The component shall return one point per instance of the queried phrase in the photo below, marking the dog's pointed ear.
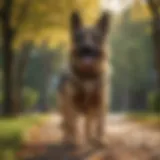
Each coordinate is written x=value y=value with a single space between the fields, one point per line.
x=103 y=23
x=76 y=22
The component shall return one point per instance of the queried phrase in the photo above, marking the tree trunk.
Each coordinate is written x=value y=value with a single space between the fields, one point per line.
x=47 y=61
x=12 y=95
x=8 y=59
x=154 y=7
x=19 y=73
x=7 y=38
x=156 y=40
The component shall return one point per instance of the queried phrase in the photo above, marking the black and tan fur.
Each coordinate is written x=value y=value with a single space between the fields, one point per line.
x=82 y=89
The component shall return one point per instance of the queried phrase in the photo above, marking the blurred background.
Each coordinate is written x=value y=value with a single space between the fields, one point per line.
x=34 y=43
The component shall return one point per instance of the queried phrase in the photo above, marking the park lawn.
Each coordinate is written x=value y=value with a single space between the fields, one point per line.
x=12 y=130
x=149 y=119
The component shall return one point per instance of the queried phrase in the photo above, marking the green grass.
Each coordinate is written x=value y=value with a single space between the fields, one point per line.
x=11 y=133
x=146 y=118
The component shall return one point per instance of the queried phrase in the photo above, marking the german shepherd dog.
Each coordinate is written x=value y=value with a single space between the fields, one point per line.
x=82 y=90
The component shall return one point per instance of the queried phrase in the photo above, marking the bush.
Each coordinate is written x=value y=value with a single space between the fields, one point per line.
x=12 y=133
x=154 y=101
x=30 y=97
x=52 y=98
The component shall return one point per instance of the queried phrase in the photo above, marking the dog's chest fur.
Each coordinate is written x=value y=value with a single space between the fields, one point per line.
x=86 y=95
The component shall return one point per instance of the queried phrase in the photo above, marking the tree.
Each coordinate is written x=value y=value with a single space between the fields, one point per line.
x=8 y=34
x=132 y=62
x=20 y=65
x=32 y=19
x=154 y=6
x=43 y=67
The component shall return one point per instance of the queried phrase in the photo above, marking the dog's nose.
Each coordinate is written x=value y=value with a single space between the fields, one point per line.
x=86 y=49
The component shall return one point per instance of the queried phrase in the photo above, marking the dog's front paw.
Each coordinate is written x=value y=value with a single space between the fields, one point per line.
x=88 y=143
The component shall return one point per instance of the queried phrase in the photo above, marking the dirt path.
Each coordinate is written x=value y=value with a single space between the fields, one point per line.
x=127 y=141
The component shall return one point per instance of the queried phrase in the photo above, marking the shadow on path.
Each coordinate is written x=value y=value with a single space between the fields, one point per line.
x=62 y=152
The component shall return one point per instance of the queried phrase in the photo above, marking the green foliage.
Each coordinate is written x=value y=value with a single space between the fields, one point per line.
x=7 y=154
x=32 y=19
x=43 y=66
x=154 y=101
x=12 y=128
x=52 y=99
x=30 y=97
x=11 y=135
x=132 y=58
x=146 y=118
